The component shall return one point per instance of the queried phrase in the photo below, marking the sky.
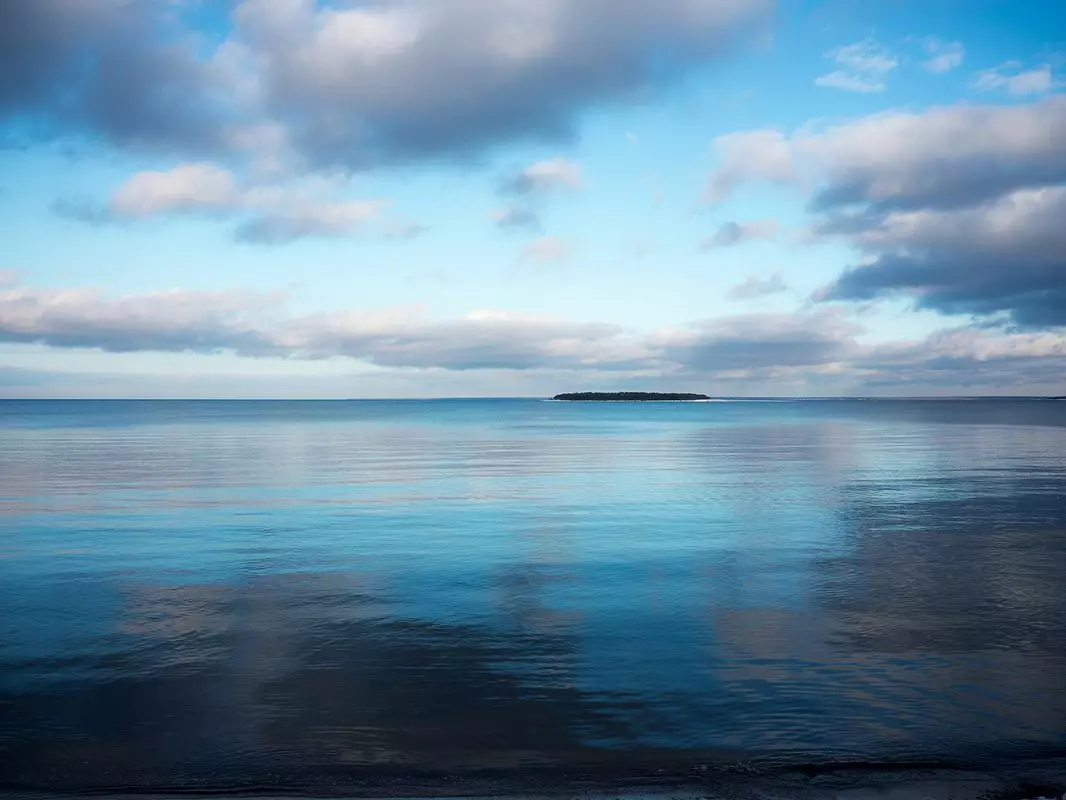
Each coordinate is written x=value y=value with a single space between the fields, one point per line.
x=464 y=198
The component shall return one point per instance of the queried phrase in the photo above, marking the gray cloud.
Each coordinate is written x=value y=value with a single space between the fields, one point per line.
x=252 y=324
x=1006 y=257
x=173 y=321
x=557 y=174
x=127 y=71
x=792 y=352
x=946 y=157
x=282 y=225
x=958 y=208
x=516 y=216
x=270 y=214
x=758 y=345
x=730 y=234
x=756 y=287
x=473 y=72
x=967 y=359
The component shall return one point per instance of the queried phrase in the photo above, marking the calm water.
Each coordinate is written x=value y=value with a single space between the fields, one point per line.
x=297 y=593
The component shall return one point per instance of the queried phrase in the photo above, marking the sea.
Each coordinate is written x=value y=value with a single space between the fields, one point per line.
x=415 y=598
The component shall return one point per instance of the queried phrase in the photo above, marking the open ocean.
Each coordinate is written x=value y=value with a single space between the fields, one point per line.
x=404 y=597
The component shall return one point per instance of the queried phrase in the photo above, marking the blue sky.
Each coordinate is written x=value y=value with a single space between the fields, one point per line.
x=289 y=198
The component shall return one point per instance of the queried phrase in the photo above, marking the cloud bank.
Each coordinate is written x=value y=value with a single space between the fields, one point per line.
x=797 y=348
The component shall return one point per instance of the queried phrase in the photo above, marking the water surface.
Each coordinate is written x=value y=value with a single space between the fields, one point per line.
x=299 y=594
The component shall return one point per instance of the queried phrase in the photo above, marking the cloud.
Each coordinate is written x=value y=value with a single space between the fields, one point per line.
x=171 y=321
x=126 y=71
x=863 y=66
x=944 y=157
x=765 y=155
x=516 y=216
x=281 y=225
x=955 y=208
x=755 y=287
x=943 y=56
x=730 y=234
x=253 y=324
x=1006 y=257
x=967 y=359
x=317 y=82
x=1014 y=80
x=547 y=250
x=761 y=345
x=270 y=214
x=797 y=350
x=557 y=174
x=850 y=82
x=186 y=188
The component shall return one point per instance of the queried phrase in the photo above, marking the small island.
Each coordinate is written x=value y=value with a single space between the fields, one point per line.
x=630 y=397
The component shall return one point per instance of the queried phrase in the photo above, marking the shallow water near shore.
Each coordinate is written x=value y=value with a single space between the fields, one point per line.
x=389 y=597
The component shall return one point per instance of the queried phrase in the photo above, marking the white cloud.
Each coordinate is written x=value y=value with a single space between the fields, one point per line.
x=865 y=56
x=863 y=66
x=766 y=155
x=547 y=250
x=948 y=155
x=270 y=214
x=545 y=176
x=183 y=189
x=942 y=56
x=1014 y=80
x=850 y=82
x=756 y=287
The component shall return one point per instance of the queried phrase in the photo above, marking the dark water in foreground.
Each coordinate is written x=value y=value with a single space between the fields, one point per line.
x=277 y=594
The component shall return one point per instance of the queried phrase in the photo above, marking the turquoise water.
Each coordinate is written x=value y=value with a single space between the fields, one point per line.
x=296 y=593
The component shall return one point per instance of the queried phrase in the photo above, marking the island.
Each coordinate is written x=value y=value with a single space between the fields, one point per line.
x=630 y=397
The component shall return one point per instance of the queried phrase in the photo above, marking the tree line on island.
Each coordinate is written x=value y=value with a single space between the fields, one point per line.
x=629 y=396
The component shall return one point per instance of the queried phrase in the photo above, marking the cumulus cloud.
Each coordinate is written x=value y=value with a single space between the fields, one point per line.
x=863 y=67
x=955 y=207
x=756 y=287
x=270 y=214
x=547 y=250
x=944 y=157
x=186 y=188
x=1013 y=79
x=765 y=155
x=557 y=174
x=730 y=234
x=533 y=186
x=319 y=79
x=942 y=56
